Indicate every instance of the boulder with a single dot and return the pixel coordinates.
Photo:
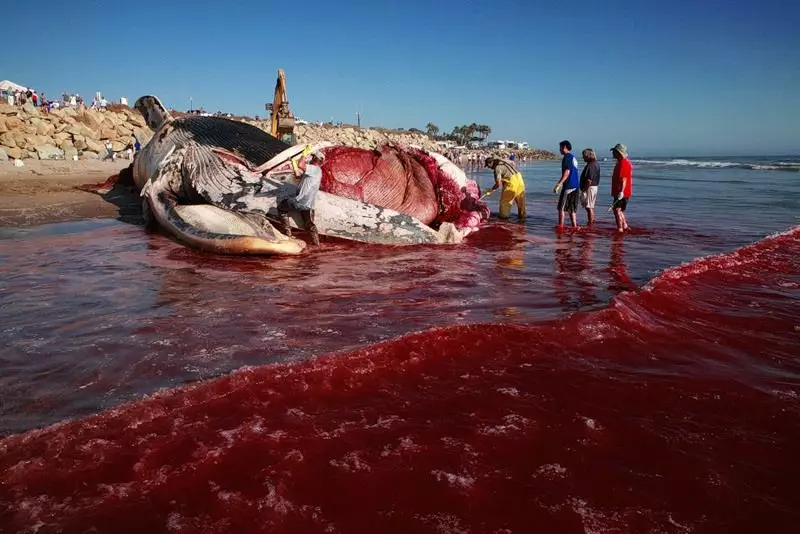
(49, 152)
(5, 109)
(92, 119)
(118, 146)
(3, 154)
(135, 118)
(30, 110)
(27, 154)
(65, 144)
(8, 139)
(60, 137)
(29, 129)
(108, 133)
(3, 127)
(95, 146)
(74, 129)
(88, 154)
(19, 137)
(35, 120)
(123, 130)
(14, 153)
(114, 118)
(88, 132)
(33, 141)
(45, 128)
(70, 153)
(13, 123)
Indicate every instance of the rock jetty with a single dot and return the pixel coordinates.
(28, 132)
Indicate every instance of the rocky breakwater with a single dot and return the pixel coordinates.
(368, 138)
(29, 133)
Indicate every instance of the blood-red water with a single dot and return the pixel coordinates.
(675, 409)
(525, 380)
(102, 316)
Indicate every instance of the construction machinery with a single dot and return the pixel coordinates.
(282, 120)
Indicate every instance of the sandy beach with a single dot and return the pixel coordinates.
(45, 191)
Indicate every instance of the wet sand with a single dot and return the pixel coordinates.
(45, 191)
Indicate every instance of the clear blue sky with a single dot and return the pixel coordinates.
(672, 77)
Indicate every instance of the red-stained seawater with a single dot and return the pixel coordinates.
(525, 381)
(675, 409)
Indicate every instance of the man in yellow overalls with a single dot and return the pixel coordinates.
(506, 173)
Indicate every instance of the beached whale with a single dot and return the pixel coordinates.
(213, 183)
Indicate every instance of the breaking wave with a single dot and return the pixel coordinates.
(759, 166)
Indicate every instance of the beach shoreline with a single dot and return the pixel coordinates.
(44, 192)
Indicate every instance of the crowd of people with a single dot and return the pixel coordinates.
(40, 100)
(573, 186)
(20, 98)
(473, 158)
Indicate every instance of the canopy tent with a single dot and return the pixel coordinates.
(11, 87)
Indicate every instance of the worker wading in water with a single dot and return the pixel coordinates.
(304, 197)
(506, 173)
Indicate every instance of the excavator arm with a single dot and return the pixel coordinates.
(281, 119)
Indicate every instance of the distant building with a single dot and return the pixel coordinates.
(508, 145)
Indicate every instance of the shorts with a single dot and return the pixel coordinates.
(589, 197)
(621, 204)
(568, 201)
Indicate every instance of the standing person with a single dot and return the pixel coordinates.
(309, 172)
(110, 151)
(621, 185)
(569, 185)
(506, 173)
(590, 179)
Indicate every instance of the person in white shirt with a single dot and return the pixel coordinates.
(309, 173)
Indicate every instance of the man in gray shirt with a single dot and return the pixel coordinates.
(590, 179)
(309, 172)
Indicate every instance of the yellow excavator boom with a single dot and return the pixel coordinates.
(281, 120)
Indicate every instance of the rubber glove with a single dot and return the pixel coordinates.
(557, 188)
(620, 196)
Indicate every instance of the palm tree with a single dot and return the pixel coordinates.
(432, 130)
(457, 134)
(472, 129)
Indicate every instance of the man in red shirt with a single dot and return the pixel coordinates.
(621, 185)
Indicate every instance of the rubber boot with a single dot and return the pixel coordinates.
(285, 221)
(308, 222)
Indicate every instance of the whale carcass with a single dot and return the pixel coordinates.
(213, 184)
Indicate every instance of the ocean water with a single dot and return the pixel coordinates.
(529, 379)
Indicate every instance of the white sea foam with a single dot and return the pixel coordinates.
(687, 163)
(459, 481)
(758, 166)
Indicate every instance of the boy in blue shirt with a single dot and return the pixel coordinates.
(569, 185)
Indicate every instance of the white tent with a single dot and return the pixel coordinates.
(11, 87)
